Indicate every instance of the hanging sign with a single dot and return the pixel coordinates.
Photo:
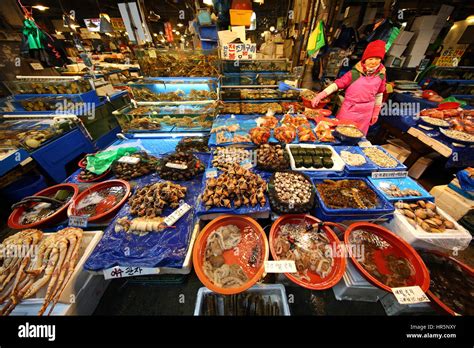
(239, 51)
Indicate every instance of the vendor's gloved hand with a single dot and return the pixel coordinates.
(317, 99)
(375, 115)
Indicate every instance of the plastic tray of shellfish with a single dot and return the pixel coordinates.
(79, 277)
(401, 189)
(272, 294)
(398, 167)
(383, 210)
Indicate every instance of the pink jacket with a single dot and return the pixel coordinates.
(359, 100)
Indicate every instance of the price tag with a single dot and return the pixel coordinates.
(129, 160)
(365, 143)
(386, 175)
(246, 164)
(176, 166)
(211, 173)
(78, 221)
(281, 266)
(122, 272)
(36, 66)
(410, 295)
(152, 54)
(171, 219)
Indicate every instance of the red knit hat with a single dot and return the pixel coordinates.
(374, 49)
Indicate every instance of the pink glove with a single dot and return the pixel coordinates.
(318, 98)
(375, 114)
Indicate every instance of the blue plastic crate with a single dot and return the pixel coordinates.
(208, 33)
(364, 169)
(384, 209)
(402, 183)
(399, 167)
(208, 45)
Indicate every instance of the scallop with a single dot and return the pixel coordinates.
(409, 213)
(420, 213)
(431, 206)
(422, 204)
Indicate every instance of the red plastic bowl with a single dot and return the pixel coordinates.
(245, 246)
(316, 282)
(57, 217)
(81, 163)
(322, 103)
(448, 105)
(102, 185)
(398, 247)
(428, 93)
(97, 178)
(438, 304)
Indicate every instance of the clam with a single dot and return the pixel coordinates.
(431, 206)
(409, 213)
(420, 213)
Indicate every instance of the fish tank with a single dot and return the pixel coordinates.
(255, 79)
(249, 94)
(49, 85)
(186, 89)
(31, 134)
(166, 118)
(177, 63)
(256, 65)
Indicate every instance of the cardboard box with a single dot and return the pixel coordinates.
(424, 23)
(397, 50)
(419, 167)
(404, 37)
(452, 202)
(398, 152)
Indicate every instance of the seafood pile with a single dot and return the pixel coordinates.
(57, 87)
(85, 175)
(285, 134)
(260, 135)
(272, 157)
(267, 121)
(349, 131)
(193, 144)
(150, 200)
(295, 121)
(400, 269)
(221, 274)
(230, 108)
(225, 157)
(33, 139)
(459, 135)
(261, 108)
(305, 134)
(435, 121)
(47, 104)
(291, 192)
(314, 157)
(394, 191)
(449, 282)
(379, 157)
(51, 266)
(344, 194)
(324, 130)
(144, 94)
(179, 166)
(425, 215)
(236, 185)
(247, 304)
(308, 249)
(307, 94)
(128, 171)
(353, 159)
(259, 93)
(144, 123)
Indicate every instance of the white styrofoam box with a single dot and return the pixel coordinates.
(423, 23)
(79, 276)
(455, 239)
(404, 37)
(397, 50)
(354, 287)
(419, 167)
(339, 164)
(276, 292)
(85, 303)
(419, 43)
(451, 202)
(393, 307)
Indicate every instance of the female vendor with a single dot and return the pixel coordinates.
(364, 85)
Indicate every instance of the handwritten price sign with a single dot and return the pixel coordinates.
(123, 272)
(410, 295)
(281, 266)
